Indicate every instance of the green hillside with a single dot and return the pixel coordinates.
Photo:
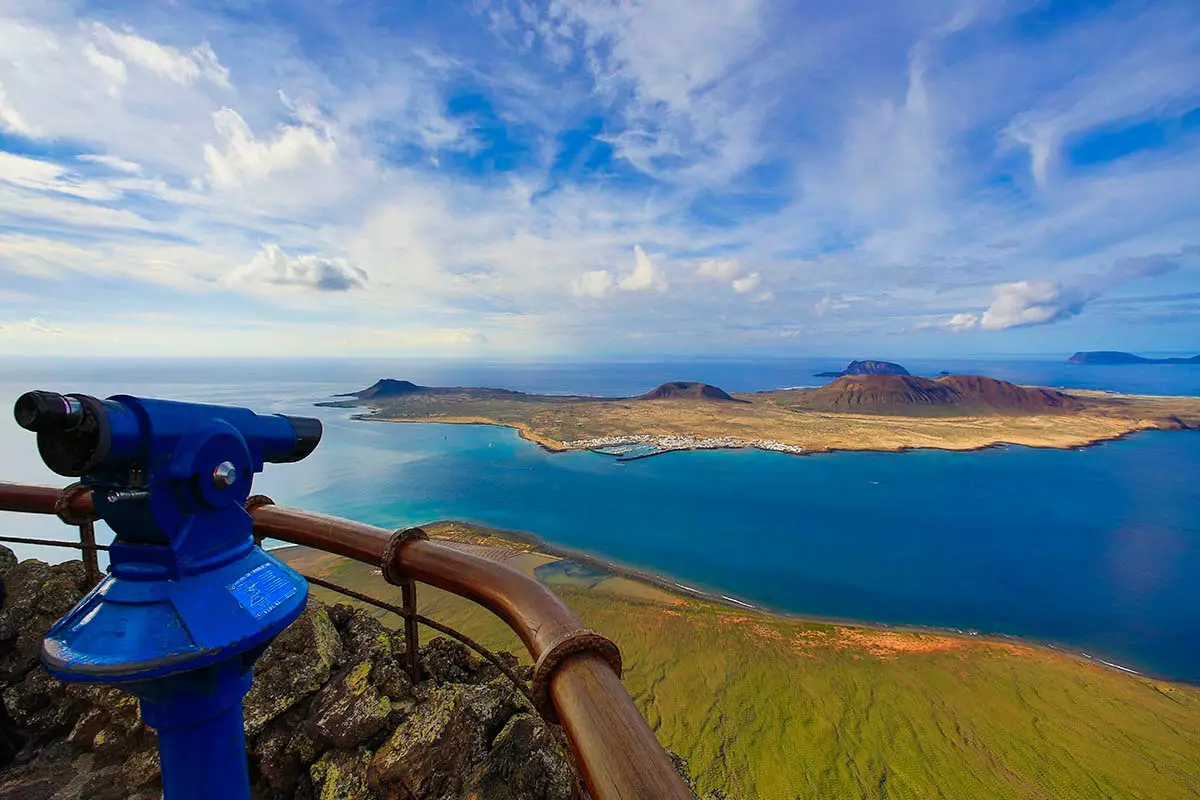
(769, 708)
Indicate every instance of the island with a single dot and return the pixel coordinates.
(1114, 357)
(887, 413)
(866, 368)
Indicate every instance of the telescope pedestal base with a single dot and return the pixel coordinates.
(201, 735)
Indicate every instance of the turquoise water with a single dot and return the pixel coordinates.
(1097, 549)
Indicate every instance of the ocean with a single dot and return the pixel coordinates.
(1096, 550)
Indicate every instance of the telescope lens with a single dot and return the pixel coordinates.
(47, 411)
(308, 436)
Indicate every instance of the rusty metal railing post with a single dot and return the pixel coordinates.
(256, 501)
(408, 596)
(66, 509)
(91, 558)
(412, 643)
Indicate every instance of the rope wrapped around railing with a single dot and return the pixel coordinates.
(577, 671)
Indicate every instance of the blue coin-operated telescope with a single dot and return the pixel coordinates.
(190, 602)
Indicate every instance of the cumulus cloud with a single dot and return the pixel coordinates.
(596, 283)
(244, 158)
(1040, 302)
(730, 269)
(721, 269)
(1030, 303)
(271, 265)
(646, 274)
(962, 322)
(176, 65)
(747, 284)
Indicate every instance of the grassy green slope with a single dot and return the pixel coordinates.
(770, 708)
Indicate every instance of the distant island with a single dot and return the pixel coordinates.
(866, 368)
(865, 412)
(1112, 357)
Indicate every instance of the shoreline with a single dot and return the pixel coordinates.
(702, 442)
(714, 597)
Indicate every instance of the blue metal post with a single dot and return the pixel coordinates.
(201, 737)
(190, 601)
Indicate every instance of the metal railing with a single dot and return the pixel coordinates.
(576, 674)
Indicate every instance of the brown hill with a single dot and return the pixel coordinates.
(908, 395)
(687, 390)
(1005, 396)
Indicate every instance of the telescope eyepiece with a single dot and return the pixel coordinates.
(48, 411)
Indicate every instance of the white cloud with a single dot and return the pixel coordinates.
(247, 159)
(884, 182)
(113, 69)
(1040, 302)
(112, 162)
(688, 67)
(1123, 75)
(11, 119)
(1029, 303)
(47, 176)
(1020, 304)
(645, 276)
(271, 265)
(595, 283)
(33, 325)
(173, 64)
(747, 284)
(721, 269)
(963, 322)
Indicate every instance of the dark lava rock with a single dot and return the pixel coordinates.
(8, 560)
(349, 710)
(447, 661)
(332, 714)
(525, 762)
(297, 663)
(444, 741)
(343, 776)
(38, 594)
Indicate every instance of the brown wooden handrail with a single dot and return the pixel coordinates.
(617, 752)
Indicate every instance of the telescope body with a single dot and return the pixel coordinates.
(190, 601)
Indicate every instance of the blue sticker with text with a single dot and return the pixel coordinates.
(261, 590)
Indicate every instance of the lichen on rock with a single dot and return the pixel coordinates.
(294, 666)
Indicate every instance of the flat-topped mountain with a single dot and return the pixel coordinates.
(1111, 357)
(908, 395)
(687, 390)
(867, 368)
(386, 387)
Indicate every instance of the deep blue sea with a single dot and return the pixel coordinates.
(1097, 550)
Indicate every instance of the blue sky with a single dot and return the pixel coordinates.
(511, 178)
